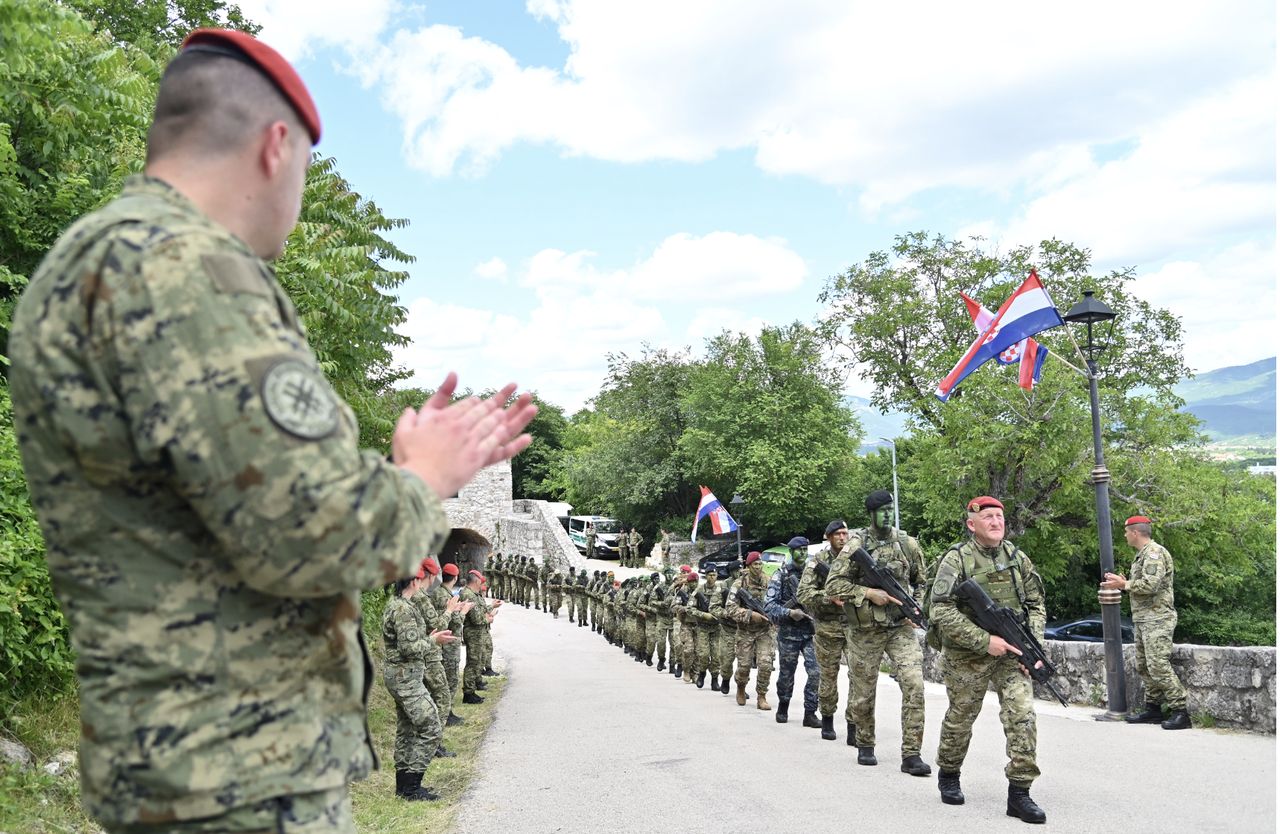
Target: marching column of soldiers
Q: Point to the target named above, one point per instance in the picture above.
(855, 600)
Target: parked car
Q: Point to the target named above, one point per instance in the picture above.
(1086, 630)
(726, 555)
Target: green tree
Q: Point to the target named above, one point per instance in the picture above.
(160, 23)
(899, 320)
(766, 420)
(533, 471)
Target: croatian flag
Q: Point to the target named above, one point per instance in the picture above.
(710, 506)
(1028, 354)
(1027, 312)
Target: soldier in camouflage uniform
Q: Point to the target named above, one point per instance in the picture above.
(474, 633)
(555, 592)
(706, 629)
(581, 590)
(664, 547)
(795, 634)
(409, 643)
(828, 637)
(634, 541)
(728, 635)
(208, 516)
(436, 621)
(1154, 619)
(544, 576)
(660, 616)
(624, 550)
(441, 595)
(972, 659)
(570, 595)
(590, 531)
(755, 633)
(682, 623)
(877, 627)
(531, 578)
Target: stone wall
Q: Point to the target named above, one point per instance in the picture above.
(1232, 687)
(532, 529)
(481, 504)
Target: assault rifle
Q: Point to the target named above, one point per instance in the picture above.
(1008, 626)
(878, 577)
(793, 603)
(701, 601)
(747, 601)
(822, 569)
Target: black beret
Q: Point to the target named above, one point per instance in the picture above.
(878, 499)
(838, 524)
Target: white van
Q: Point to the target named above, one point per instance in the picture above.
(607, 531)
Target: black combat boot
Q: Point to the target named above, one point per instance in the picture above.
(442, 753)
(715, 682)
(781, 716)
(867, 756)
(1151, 715)
(648, 661)
(409, 786)
(453, 720)
(488, 672)
(471, 698)
(915, 766)
(702, 678)
(1178, 721)
(949, 787)
(661, 665)
(481, 685)
(677, 670)
(811, 720)
(828, 728)
(1022, 806)
(849, 739)
(724, 685)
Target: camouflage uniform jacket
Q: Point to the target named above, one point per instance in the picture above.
(434, 619)
(1008, 577)
(406, 636)
(440, 596)
(1151, 584)
(899, 553)
(476, 621)
(812, 592)
(209, 518)
(740, 615)
(705, 619)
(781, 596)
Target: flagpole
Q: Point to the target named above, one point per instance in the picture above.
(1055, 355)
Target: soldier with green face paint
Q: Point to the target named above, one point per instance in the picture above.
(876, 627)
(972, 659)
(829, 636)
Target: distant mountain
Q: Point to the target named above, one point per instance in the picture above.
(1234, 402)
(875, 424)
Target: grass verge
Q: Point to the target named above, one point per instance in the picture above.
(378, 811)
(34, 801)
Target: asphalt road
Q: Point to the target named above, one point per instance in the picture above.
(588, 740)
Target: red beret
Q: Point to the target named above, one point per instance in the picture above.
(1136, 519)
(475, 574)
(270, 63)
(421, 574)
(431, 566)
(753, 556)
(686, 569)
(984, 502)
(451, 569)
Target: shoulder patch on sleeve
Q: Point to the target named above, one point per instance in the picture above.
(298, 400)
(234, 273)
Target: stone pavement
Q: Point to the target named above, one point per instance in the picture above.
(587, 740)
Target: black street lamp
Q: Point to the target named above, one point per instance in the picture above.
(1091, 311)
(737, 502)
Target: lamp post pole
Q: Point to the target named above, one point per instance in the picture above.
(893, 454)
(1088, 312)
(736, 502)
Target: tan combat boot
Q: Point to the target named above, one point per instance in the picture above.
(761, 703)
(742, 694)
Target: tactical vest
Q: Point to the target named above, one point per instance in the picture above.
(896, 562)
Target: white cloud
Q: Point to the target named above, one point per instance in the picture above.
(580, 313)
(297, 28)
(1227, 304)
(494, 269)
(895, 98)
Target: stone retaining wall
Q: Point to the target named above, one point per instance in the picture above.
(532, 529)
(1229, 686)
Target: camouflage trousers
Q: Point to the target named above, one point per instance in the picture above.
(535, 594)
(866, 647)
(582, 609)
(569, 599)
(554, 600)
(706, 649)
(486, 648)
(688, 650)
(437, 683)
(452, 660)
(728, 638)
(660, 628)
(754, 647)
(1153, 645)
(475, 661)
(790, 651)
(966, 675)
(418, 727)
(828, 646)
(309, 813)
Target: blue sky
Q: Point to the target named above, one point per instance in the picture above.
(584, 177)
